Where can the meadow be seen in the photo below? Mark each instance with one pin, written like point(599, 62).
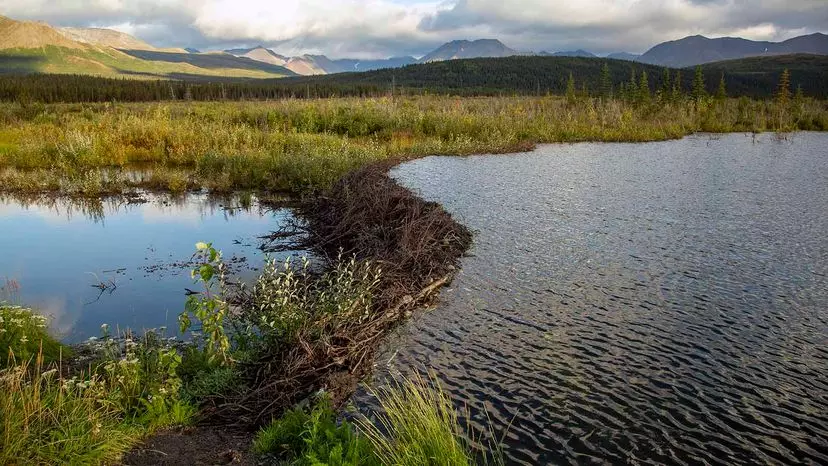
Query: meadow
point(304, 146)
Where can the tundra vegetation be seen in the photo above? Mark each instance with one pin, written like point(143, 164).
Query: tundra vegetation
point(304, 146)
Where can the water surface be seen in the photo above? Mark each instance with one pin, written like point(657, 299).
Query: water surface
point(637, 303)
point(54, 251)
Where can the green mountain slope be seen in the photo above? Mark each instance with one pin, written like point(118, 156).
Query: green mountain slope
point(32, 47)
point(745, 75)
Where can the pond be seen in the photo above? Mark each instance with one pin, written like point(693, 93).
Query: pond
point(624, 303)
point(122, 261)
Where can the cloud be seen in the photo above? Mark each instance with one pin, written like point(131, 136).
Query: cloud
point(381, 28)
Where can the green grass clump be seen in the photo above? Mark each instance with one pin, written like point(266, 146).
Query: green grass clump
point(313, 437)
point(48, 421)
point(419, 427)
point(23, 334)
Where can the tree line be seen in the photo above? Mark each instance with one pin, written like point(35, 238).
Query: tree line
point(568, 76)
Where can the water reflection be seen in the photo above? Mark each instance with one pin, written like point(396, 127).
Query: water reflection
point(637, 303)
point(122, 260)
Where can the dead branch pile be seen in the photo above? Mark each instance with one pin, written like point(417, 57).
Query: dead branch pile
point(368, 215)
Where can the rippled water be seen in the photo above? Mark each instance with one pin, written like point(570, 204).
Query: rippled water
point(54, 251)
point(637, 303)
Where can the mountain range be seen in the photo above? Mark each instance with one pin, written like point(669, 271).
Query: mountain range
point(698, 50)
point(27, 46)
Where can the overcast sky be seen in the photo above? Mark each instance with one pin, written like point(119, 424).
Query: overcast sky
point(382, 28)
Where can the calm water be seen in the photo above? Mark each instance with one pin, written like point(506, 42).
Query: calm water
point(53, 252)
point(637, 303)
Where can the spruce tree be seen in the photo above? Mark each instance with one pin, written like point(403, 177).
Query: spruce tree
point(665, 83)
point(721, 92)
point(606, 82)
point(698, 84)
point(570, 88)
point(644, 89)
point(678, 92)
point(632, 87)
point(783, 91)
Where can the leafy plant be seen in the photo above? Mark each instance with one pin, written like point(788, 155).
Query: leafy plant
point(313, 437)
point(209, 307)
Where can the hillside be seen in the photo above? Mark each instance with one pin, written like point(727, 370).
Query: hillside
point(33, 47)
point(260, 54)
point(745, 75)
point(104, 37)
point(624, 56)
point(534, 74)
point(29, 34)
point(695, 50)
point(309, 65)
point(570, 53)
point(459, 49)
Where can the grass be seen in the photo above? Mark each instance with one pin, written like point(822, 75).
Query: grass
point(67, 412)
point(418, 426)
point(311, 437)
point(23, 335)
point(305, 146)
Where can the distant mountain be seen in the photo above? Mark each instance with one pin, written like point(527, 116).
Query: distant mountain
point(469, 49)
point(696, 50)
point(35, 47)
point(624, 56)
point(104, 37)
point(260, 54)
point(572, 53)
point(309, 65)
point(191, 50)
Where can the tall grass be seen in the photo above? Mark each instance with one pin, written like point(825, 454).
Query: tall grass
point(48, 421)
point(418, 426)
point(299, 146)
point(128, 390)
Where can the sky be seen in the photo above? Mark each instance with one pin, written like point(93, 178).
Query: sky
point(384, 28)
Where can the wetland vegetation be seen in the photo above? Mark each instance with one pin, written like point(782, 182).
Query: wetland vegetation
point(303, 146)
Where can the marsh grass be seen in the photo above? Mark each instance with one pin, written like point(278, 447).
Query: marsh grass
point(301, 146)
point(47, 422)
point(70, 413)
point(419, 426)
